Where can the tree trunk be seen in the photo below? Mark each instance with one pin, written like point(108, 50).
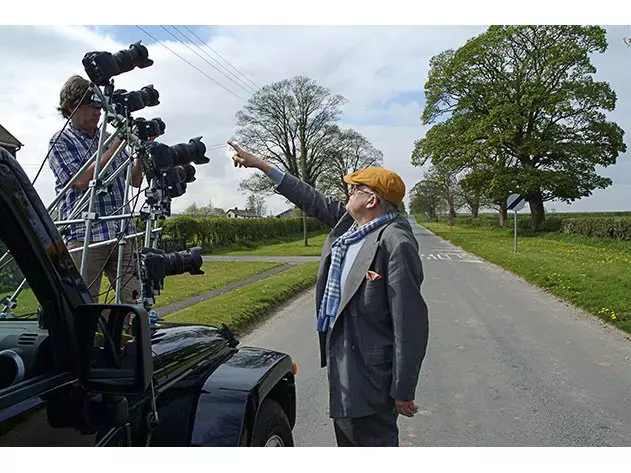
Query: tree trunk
point(537, 211)
point(475, 208)
point(304, 228)
point(503, 214)
point(452, 216)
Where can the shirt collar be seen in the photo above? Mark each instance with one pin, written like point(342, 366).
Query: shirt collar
point(81, 132)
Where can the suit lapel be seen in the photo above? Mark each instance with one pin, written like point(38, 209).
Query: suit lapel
point(358, 270)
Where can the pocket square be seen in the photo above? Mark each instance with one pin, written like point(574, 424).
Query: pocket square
point(372, 276)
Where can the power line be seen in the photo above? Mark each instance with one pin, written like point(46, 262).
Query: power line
point(190, 64)
point(206, 60)
point(250, 84)
point(241, 83)
point(225, 60)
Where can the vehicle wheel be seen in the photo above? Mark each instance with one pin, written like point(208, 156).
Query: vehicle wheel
point(271, 428)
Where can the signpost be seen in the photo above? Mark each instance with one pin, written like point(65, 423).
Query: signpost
point(515, 202)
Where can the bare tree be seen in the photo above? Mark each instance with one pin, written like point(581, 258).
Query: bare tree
point(290, 124)
point(256, 205)
point(349, 152)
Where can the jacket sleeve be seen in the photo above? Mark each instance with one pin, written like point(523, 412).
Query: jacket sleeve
point(311, 200)
point(409, 318)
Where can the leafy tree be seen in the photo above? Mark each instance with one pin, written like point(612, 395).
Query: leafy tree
point(290, 124)
point(518, 107)
point(205, 211)
point(426, 198)
point(448, 187)
point(192, 210)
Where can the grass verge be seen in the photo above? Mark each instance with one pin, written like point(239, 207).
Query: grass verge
point(286, 247)
point(216, 274)
point(241, 308)
point(176, 288)
point(591, 273)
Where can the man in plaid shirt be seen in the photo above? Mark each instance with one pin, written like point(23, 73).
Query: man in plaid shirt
point(71, 148)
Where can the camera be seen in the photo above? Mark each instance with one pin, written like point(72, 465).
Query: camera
point(127, 102)
point(160, 156)
point(176, 178)
point(146, 129)
point(157, 264)
point(101, 66)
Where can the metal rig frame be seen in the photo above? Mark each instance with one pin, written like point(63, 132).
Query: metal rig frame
point(150, 212)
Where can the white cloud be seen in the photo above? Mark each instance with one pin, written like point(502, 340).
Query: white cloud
point(371, 66)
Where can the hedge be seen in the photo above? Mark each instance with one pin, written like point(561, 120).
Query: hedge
point(220, 231)
point(615, 225)
point(618, 228)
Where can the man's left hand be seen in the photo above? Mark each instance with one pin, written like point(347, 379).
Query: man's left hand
point(405, 408)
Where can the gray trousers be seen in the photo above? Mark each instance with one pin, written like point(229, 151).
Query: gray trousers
point(104, 259)
point(376, 430)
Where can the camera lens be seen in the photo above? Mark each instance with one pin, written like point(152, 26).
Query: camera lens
point(136, 56)
point(193, 151)
point(146, 129)
point(183, 261)
point(149, 96)
point(128, 102)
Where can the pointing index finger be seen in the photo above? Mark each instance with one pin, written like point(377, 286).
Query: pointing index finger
point(234, 146)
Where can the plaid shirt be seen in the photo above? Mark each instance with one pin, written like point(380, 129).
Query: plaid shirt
point(71, 151)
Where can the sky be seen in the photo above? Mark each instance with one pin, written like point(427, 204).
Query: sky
point(381, 70)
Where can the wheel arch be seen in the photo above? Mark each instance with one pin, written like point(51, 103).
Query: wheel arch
point(232, 394)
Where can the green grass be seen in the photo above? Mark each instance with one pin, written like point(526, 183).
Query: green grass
point(27, 303)
point(176, 288)
point(591, 273)
point(217, 274)
point(287, 247)
point(241, 308)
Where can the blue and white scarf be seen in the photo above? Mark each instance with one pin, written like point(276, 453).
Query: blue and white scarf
point(332, 292)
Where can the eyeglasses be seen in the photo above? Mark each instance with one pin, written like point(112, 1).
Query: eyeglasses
point(353, 189)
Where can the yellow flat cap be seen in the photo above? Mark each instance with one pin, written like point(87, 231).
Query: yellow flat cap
point(388, 184)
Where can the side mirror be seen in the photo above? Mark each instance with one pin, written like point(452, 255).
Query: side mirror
point(114, 348)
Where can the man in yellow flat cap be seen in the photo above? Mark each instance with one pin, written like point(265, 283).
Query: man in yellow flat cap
point(371, 317)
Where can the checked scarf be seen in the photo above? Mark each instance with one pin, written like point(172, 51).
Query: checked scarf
point(332, 292)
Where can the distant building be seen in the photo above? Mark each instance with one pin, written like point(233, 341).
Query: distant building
point(236, 213)
point(289, 213)
point(9, 142)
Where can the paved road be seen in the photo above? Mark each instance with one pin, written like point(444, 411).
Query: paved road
point(507, 365)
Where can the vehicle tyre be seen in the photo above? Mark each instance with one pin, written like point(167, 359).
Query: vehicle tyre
point(271, 428)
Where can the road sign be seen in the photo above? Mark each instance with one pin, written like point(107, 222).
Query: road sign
point(515, 202)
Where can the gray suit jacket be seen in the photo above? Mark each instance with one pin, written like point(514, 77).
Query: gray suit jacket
point(376, 346)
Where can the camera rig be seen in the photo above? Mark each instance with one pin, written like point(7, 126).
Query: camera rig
point(167, 170)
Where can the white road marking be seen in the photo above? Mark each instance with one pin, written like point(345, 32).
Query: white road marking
point(451, 256)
